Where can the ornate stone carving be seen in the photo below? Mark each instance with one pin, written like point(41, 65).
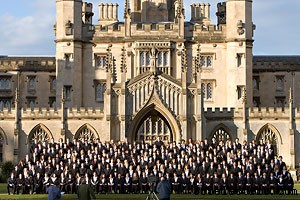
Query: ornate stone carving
point(240, 27)
point(123, 61)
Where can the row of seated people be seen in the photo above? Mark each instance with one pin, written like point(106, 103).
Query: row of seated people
point(111, 162)
point(180, 184)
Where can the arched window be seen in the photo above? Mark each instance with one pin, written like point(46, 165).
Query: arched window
point(150, 130)
point(221, 135)
point(86, 132)
point(267, 135)
point(40, 133)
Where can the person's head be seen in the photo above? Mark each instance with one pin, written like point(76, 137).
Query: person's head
point(83, 181)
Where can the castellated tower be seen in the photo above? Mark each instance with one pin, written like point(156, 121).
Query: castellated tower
point(239, 51)
point(73, 31)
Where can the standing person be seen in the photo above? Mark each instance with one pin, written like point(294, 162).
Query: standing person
point(85, 191)
point(164, 189)
point(54, 192)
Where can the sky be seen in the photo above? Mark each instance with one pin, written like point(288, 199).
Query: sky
point(26, 26)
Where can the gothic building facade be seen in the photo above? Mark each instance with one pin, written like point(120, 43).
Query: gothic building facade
point(151, 75)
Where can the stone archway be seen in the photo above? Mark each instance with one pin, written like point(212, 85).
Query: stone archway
point(154, 112)
point(269, 134)
point(153, 126)
point(86, 132)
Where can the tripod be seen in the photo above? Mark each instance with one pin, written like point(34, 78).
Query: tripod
point(151, 195)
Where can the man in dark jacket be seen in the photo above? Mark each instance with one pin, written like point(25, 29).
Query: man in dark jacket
point(85, 191)
point(53, 192)
point(164, 189)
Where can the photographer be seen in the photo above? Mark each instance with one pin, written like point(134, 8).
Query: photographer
point(164, 189)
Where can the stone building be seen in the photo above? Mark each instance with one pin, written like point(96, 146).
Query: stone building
point(151, 75)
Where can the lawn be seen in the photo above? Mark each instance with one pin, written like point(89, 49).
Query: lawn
point(3, 195)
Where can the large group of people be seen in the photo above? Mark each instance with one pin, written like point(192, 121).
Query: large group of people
point(197, 167)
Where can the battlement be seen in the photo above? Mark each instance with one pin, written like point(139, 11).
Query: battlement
point(56, 113)
point(85, 113)
point(41, 113)
point(140, 29)
point(28, 63)
point(7, 114)
point(261, 113)
point(269, 112)
point(202, 32)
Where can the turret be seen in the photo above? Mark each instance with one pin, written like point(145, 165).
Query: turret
point(108, 13)
point(200, 13)
point(239, 51)
point(69, 36)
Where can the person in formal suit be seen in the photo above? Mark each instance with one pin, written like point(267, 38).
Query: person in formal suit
point(38, 184)
point(256, 184)
point(85, 191)
point(224, 184)
point(265, 184)
point(289, 184)
point(11, 184)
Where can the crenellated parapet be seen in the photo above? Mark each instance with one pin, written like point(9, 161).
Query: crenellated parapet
point(140, 29)
point(224, 113)
point(53, 113)
point(7, 114)
point(85, 113)
point(200, 32)
point(41, 113)
point(269, 113)
point(27, 64)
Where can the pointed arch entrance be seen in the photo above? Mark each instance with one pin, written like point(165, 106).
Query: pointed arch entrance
point(152, 122)
point(40, 133)
point(268, 134)
point(86, 132)
point(221, 133)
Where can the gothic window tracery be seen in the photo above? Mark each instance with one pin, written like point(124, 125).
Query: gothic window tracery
point(86, 132)
point(221, 135)
point(267, 135)
point(150, 130)
point(39, 133)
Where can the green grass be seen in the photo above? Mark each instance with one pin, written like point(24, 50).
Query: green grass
point(3, 195)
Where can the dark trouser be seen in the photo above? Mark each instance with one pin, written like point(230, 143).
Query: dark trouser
point(11, 186)
point(165, 199)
